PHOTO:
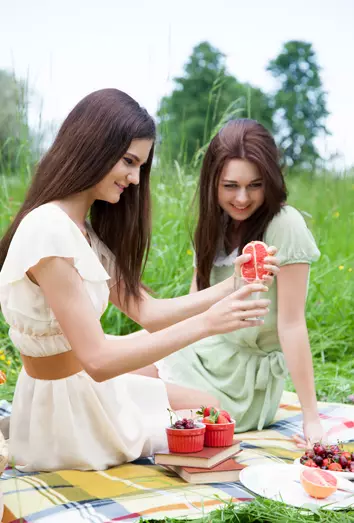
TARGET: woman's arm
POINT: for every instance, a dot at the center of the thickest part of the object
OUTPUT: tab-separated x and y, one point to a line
104	358
293	335
156	314
193	287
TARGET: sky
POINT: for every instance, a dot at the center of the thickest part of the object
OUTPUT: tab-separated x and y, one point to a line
66	49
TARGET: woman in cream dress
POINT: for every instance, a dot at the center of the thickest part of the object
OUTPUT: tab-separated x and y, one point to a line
77	403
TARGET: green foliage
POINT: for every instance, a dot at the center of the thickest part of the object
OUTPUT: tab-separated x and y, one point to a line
205	95
300	103
18	143
330	315
267	511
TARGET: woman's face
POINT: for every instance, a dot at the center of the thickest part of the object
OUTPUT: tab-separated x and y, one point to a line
241	189
125	172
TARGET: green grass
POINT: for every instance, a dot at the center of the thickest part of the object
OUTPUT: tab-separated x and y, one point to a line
267	511
330	313
327	202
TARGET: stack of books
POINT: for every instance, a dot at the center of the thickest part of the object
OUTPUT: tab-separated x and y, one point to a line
210	465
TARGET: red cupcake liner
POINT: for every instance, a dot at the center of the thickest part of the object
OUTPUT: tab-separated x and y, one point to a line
185	440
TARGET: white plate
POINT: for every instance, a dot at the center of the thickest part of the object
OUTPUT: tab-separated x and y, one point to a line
282	483
343	474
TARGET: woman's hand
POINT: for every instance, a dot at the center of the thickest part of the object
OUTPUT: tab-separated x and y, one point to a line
272	264
313	432
236	310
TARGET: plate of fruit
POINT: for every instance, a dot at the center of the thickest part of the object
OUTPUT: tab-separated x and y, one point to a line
299	486
329	457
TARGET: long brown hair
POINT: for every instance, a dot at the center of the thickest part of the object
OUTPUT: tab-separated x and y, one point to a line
247	140
92	139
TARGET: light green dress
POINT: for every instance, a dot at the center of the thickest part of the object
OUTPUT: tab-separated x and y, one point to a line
246	369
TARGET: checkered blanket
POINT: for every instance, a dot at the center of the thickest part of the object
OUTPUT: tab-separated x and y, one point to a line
144	490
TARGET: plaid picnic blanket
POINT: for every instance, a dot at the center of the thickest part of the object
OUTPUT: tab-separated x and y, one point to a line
144	490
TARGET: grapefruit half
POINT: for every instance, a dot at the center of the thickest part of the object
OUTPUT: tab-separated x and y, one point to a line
318	483
254	270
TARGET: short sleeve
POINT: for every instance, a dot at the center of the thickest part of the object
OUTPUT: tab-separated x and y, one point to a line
107	258
289	233
44	232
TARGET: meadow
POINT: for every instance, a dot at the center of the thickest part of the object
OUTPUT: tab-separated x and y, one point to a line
327	204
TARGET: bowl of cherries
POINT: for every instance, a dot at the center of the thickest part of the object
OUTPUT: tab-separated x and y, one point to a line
185	435
334	458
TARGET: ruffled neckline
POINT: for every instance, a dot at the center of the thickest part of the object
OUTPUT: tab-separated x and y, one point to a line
225	260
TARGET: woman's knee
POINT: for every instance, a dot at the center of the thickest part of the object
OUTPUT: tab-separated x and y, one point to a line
184	398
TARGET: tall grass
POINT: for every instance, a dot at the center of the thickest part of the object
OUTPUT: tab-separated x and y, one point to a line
327	204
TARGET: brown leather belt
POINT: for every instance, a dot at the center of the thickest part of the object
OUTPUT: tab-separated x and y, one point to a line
51	368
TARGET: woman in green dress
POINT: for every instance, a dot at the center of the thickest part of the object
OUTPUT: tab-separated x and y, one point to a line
242	197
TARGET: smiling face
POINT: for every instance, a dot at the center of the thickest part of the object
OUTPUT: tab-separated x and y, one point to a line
125	172
241	189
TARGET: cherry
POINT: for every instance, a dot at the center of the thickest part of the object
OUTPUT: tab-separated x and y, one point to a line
343	462
310	453
320	450
318	460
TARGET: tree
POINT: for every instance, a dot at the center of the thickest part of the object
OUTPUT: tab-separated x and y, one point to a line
300	103
204	96
17	142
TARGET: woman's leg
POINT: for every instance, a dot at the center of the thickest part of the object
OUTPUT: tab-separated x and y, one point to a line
179	397
183	398
150	371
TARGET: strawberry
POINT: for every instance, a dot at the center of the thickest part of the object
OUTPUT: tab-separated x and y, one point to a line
222	419
208	420
205	411
226	414
347	455
309	463
334	466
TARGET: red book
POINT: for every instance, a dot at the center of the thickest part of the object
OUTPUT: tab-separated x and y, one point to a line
227	471
205	459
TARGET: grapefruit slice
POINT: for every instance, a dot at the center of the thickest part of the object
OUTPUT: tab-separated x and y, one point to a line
254	270
318	483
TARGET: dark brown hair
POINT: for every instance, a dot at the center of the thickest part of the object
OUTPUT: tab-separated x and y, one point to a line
247	140
92	139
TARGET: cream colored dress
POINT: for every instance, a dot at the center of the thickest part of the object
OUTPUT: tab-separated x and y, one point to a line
72	423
